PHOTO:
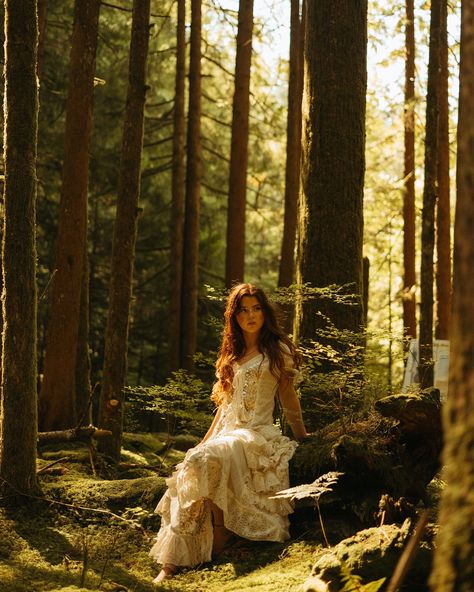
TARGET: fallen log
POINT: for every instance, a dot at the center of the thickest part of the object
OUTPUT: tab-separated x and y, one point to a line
80	434
395	450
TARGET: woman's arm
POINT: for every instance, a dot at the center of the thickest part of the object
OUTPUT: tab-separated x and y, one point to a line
292	408
212	427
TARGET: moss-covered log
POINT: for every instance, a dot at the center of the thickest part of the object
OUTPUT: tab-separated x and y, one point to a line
394	451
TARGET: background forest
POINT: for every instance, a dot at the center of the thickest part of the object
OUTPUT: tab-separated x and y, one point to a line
148	351
170	149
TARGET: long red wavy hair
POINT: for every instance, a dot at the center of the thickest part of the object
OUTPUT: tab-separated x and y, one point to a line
271	339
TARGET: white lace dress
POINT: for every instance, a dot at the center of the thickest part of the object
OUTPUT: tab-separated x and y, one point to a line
243	463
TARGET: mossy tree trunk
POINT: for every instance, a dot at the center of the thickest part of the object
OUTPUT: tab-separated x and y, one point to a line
125	231
293	149
409	212
177	188
235	251
18	420
453	565
190	283
443	213
58	405
430	192
333	161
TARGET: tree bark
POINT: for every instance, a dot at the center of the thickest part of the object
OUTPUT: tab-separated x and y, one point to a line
409	216
83	361
57	401
125	231
177	189
235	253
18	421
333	162
293	149
190	285
425	368
42	12
453	569
443	216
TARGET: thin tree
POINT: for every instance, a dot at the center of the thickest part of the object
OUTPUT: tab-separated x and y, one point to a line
443	213
333	162
57	399
125	232
293	149
190	282
409	216
453	569
177	190
18	418
426	371
235	252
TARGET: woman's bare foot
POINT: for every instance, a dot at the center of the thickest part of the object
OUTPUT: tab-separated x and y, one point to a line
166	573
222	538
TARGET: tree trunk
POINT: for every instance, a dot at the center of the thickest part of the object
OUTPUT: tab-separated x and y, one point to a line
331	216
178	183
293	149
83	361
57	402
190	285
453	565
42	12
425	368
409	216
443	217
235	254
125	231
18	421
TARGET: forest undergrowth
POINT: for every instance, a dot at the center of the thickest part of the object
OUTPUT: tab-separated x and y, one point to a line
90	533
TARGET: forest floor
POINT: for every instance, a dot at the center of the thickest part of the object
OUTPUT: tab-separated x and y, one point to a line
89	533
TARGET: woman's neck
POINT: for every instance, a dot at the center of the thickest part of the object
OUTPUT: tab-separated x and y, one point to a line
252	341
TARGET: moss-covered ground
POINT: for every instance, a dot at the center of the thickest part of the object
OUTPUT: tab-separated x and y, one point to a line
91	533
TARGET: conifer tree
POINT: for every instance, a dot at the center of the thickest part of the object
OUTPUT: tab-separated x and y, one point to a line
18	408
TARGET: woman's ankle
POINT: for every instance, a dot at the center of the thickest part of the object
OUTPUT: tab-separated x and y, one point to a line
167	571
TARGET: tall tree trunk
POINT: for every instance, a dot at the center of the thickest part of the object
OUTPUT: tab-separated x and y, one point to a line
331	213
190	283
18	420
443	218
125	232
42	11
293	149
409	217
83	361
178	181
453	565
429	201
57	402
235	253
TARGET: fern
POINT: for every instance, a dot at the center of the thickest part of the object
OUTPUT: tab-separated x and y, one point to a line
313	490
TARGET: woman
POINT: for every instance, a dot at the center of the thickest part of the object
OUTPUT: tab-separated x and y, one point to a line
223	485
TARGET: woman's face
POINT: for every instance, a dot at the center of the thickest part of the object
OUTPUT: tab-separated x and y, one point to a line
249	315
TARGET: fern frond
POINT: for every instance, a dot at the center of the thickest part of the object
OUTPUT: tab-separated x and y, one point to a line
313	490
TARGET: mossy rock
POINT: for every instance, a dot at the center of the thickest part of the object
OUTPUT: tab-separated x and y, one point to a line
371	554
